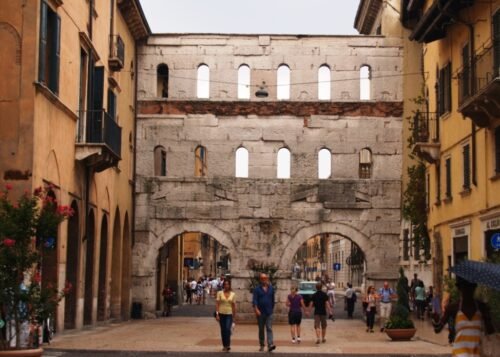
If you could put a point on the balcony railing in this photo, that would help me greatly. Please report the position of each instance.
(426, 135)
(99, 137)
(117, 53)
(479, 85)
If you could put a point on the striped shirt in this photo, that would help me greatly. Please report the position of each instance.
(468, 335)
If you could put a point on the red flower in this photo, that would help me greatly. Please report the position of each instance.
(9, 242)
(8, 187)
(67, 288)
(37, 278)
(38, 191)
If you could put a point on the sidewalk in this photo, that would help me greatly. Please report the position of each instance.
(184, 334)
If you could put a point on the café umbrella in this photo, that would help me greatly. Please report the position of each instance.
(487, 274)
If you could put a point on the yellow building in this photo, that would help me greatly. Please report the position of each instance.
(457, 132)
(67, 101)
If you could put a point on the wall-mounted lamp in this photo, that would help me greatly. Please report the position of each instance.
(262, 91)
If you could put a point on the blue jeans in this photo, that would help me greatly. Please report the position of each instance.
(226, 323)
(267, 322)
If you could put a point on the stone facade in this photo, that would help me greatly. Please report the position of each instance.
(262, 218)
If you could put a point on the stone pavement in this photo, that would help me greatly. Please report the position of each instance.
(201, 335)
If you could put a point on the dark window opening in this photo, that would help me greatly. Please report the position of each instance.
(444, 90)
(466, 158)
(497, 150)
(49, 48)
(112, 104)
(448, 177)
(460, 249)
(406, 244)
(438, 183)
(162, 77)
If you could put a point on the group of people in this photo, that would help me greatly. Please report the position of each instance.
(197, 290)
(383, 298)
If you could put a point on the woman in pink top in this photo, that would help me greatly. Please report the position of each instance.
(295, 303)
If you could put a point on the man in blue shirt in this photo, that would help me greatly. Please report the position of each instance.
(386, 294)
(263, 304)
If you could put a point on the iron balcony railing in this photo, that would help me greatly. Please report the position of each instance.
(117, 52)
(480, 72)
(425, 127)
(97, 127)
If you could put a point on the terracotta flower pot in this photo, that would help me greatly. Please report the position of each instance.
(403, 334)
(35, 352)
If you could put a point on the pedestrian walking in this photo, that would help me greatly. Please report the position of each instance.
(420, 299)
(350, 300)
(225, 313)
(386, 295)
(371, 308)
(187, 290)
(263, 304)
(321, 307)
(330, 291)
(199, 291)
(295, 304)
(470, 317)
(168, 299)
(192, 286)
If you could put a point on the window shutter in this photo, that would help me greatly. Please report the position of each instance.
(466, 156)
(112, 104)
(497, 149)
(438, 183)
(42, 50)
(441, 92)
(448, 177)
(496, 43)
(447, 88)
(55, 56)
(94, 120)
(98, 88)
(466, 71)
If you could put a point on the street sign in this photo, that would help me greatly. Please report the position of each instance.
(336, 266)
(495, 241)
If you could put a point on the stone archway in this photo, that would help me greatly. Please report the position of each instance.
(126, 270)
(102, 275)
(72, 271)
(116, 265)
(89, 269)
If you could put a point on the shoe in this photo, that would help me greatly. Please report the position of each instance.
(293, 340)
(298, 339)
(367, 330)
(382, 329)
(317, 342)
(261, 349)
(323, 340)
(372, 331)
(271, 348)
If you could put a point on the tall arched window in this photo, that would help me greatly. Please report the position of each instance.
(203, 83)
(324, 83)
(283, 163)
(283, 82)
(160, 163)
(241, 162)
(200, 162)
(244, 82)
(365, 163)
(324, 164)
(365, 82)
(162, 81)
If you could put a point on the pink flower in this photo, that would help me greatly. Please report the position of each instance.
(8, 187)
(38, 191)
(8, 242)
(37, 278)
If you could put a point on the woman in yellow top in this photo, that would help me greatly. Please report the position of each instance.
(225, 313)
(469, 318)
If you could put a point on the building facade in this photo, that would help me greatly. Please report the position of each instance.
(458, 134)
(263, 142)
(67, 107)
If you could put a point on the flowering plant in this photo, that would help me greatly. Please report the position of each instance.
(27, 228)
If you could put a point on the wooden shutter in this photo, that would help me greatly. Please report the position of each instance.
(496, 43)
(447, 88)
(448, 177)
(55, 55)
(42, 45)
(95, 115)
(98, 88)
(497, 149)
(112, 104)
(466, 72)
(466, 157)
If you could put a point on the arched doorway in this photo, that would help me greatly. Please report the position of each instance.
(188, 256)
(89, 269)
(126, 270)
(72, 259)
(102, 283)
(116, 262)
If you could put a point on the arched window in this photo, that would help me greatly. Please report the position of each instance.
(200, 163)
(283, 82)
(203, 84)
(365, 82)
(365, 163)
(283, 163)
(244, 82)
(324, 164)
(324, 83)
(241, 162)
(162, 81)
(160, 164)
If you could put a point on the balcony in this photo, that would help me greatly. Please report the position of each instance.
(117, 53)
(479, 86)
(425, 133)
(98, 142)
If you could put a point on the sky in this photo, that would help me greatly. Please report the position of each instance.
(305, 17)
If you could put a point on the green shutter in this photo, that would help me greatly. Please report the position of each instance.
(112, 104)
(466, 157)
(496, 42)
(55, 55)
(42, 45)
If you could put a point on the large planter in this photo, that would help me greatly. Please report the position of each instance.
(35, 352)
(401, 334)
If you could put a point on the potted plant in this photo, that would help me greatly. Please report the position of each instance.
(400, 327)
(28, 226)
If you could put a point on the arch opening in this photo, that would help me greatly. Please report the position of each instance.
(116, 265)
(162, 76)
(72, 263)
(241, 162)
(203, 82)
(284, 163)
(324, 164)
(244, 82)
(89, 268)
(324, 83)
(102, 276)
(283, 82)
(126, 270)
